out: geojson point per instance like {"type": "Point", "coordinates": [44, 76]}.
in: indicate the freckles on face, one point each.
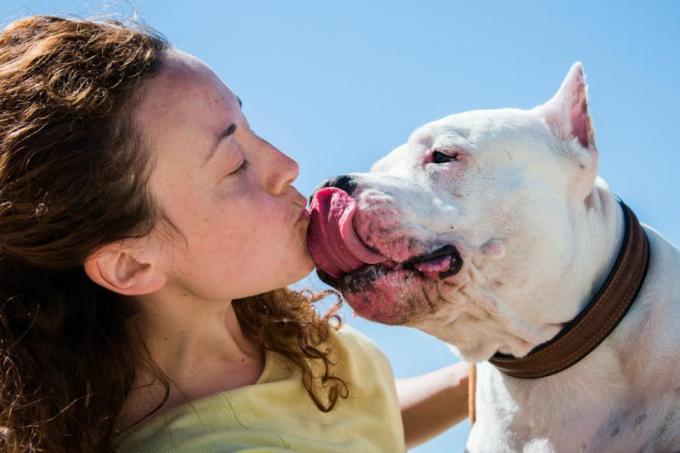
{"type": "Point", "coordinates": [228, 191]}
{"type": "Point", "coordinates": [264, 234]}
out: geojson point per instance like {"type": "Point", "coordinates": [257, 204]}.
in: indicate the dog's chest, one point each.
{"type": "Point", "coordinates": [570, 414]}
{"type": "Point", "coordinates": [624, 396]}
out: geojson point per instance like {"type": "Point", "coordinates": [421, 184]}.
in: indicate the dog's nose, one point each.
{"type": "Point", "coordinates": [343, 182]}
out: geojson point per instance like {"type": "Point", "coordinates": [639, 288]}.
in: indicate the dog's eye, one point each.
{"type": "Point", "coordinates": [439, 157]}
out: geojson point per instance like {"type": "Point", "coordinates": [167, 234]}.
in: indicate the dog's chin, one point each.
{"type": "Point", "coordinates": [397, 293]}
{"type": "Point", "coordinates": [384, 295]}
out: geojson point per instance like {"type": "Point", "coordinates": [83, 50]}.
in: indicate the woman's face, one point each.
{"type": "Point", "coordinates": [227, 190]}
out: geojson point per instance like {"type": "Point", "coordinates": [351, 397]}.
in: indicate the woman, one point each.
{"type": "Point", "coordinates": [147, 237]}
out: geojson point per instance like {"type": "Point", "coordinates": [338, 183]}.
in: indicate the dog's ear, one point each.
{"type": "Point", "coordinates": [567, 116]}
{"type": "Point", "coordinates": [567, 112]}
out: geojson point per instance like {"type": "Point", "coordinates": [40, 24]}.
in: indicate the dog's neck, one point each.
{"type": "Point", "coordinates": [598, 235]}
{"type": "Point", "coordinates": [593, 325]}
{"type": "Point", "coordinates": [494, 321]}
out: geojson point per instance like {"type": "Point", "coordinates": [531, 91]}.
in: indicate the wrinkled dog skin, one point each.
{"type": "Point", "coordinates": [514, 195]}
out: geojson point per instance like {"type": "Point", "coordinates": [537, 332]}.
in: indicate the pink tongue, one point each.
{"type": "Point", "coordinates": [331, 239]}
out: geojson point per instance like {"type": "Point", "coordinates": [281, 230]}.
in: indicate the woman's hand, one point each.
{"type": "Point", "coordinates": [433, 402]}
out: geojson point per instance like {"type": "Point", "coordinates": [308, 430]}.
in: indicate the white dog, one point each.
{"type": "Point", "coordinates": [491, 231]}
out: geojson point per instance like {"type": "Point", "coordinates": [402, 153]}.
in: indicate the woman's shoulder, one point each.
{"type": "Point", "coordinates": [214, 441]}
{"type": "Point", "coordinates": [277, 415]}
{"type": "Point", "coordinates": [359, 360]}
{"type": "Point", "coordinates": [359, 345]}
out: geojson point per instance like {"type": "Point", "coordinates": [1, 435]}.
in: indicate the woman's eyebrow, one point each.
{"type": "Point", "coordinates": [221, 136]}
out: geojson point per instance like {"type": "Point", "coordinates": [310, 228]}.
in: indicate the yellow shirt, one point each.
{"type": "Point", "coordinates": [277, 415]}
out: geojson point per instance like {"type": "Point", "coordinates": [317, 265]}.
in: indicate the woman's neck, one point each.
{"type": "Point", "coordinates": [197, 344]}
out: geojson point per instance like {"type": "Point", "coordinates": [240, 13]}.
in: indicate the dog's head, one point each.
{"type": "Point", "coordinates": [456, 231]}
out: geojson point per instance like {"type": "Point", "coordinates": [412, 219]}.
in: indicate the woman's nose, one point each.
{"type": "Point", "coordinates": [283, 171]}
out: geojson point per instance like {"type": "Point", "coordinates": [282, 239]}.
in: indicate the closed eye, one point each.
{"type": "Point", "coordinates": [241, 168]}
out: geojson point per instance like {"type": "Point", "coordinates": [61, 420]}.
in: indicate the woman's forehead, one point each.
{"type": "Point", "coordinates": [185, 93]}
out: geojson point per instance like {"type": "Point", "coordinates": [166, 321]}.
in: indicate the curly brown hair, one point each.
{"type": "Point", "coordinates": [73, 177]}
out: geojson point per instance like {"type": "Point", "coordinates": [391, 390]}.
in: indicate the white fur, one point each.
{"type": "Point", "coordinates": [538, 233]}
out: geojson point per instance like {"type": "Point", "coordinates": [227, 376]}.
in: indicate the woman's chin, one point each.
{"type": "Point", "coordinates": [301, 268]}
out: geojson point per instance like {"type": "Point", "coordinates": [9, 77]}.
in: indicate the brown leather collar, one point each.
{"type": "Point", "coordinates": [585, 332]}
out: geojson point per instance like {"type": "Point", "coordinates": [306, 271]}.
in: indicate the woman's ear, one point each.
{"type": "Point", "coordinates": [125, 269]}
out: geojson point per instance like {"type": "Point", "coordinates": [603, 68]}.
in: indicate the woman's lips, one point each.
{"type": "Point", "coordinates": [304, 215]}
{"type": "Point", "coordinates": [332, 241]}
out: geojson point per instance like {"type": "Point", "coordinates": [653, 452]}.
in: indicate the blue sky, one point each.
{"type": "Point", "coordinates": [338, 84]}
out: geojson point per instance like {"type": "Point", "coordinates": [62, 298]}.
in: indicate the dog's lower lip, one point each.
{"type": "Point", "coordinates": [409, 265]}
{"type": "Point", "coordinates": [447, 251]}
{"type": "Point", "coordinates": [440, 252]}
{"type": "Point", "coordinates": [326, 278]}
